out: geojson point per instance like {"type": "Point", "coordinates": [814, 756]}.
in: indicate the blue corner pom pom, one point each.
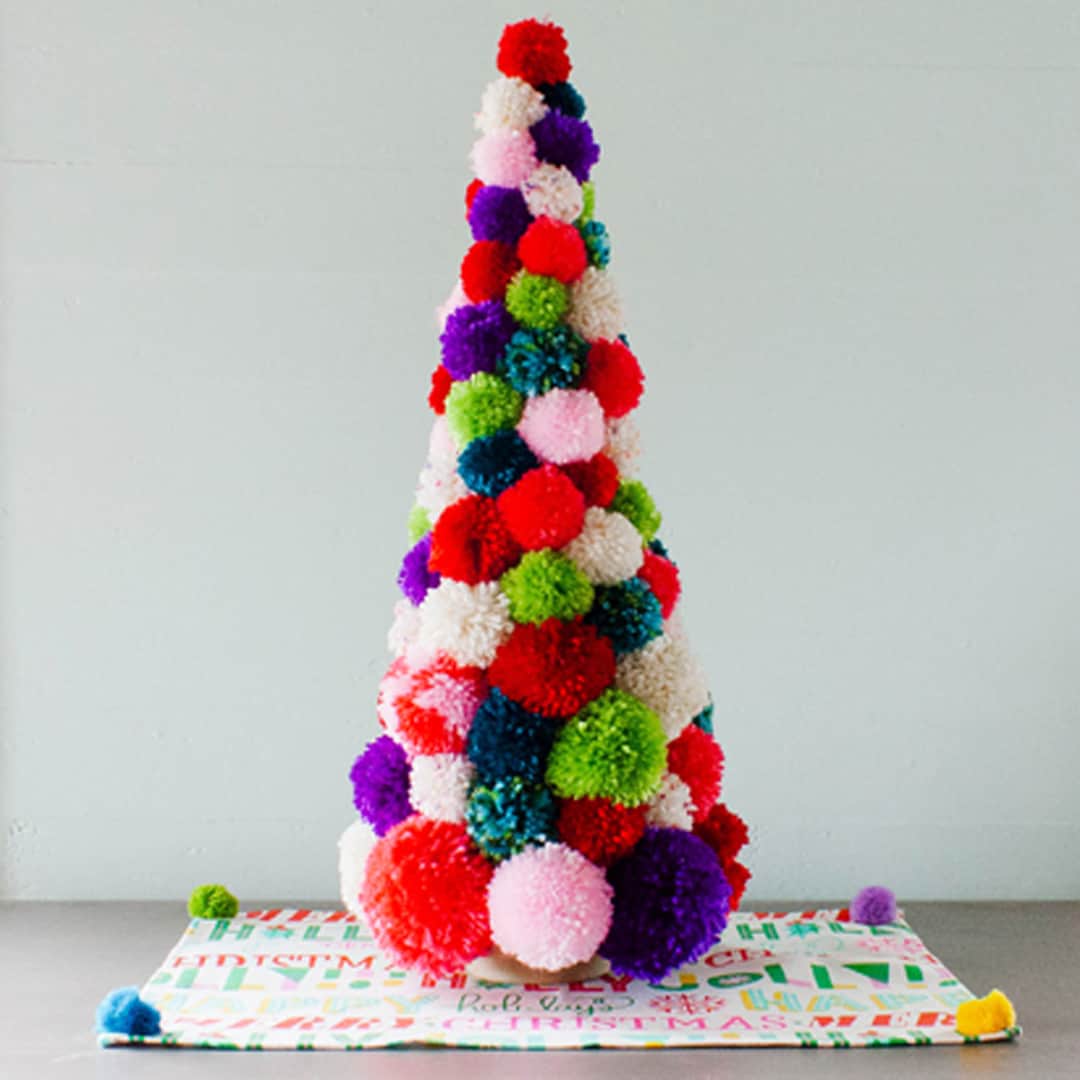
{"type": "Point", "coordinates": [123, 1012]}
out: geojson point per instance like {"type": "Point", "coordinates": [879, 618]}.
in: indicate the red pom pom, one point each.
{"type": "Point", "coordinates": [424, 729]}
{"type": "Point", "coordinates": [441, 381]}
{"type": "Point", "coordinates": [425, 896]}
{"type": "Point", "coordinates": [597, 479]}
{"type": "Point", "coordinates": [725, 832]}
{"type": "Point", "coordinates": [613, 374]}
{"type": "Point", "coordinates": [470, 194]}
{"type": "Point", "coordinates": [662, 576]}
{"type": "Point", "coordinates": [534, 51]}
{"type": "Point", "coordinates": [554, 249]}
{"type": "Point", "coordinates": [543, 509]}
{"type": "Point", "coordinates": [487, 269]}
{"type": "Point", "coordinates": [696, 758]}
{"type": "Point", "coordinates": [600, 829]}
{"type": "Point", "coordinates": [554, 668]}
{"type": "Point", "coordinates": [737, 876]}
{"type": "Point", "coordinates": [471, 543]}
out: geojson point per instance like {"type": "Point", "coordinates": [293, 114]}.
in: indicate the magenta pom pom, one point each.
{"type": "Point", "coordinates": [874, 906]}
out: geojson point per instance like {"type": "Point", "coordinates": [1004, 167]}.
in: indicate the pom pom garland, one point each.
{"type": "Point", "coordinates": [487, 269]}
{"type": "Point", "coordinates": [481, 406]}
{"type": "Point", "coordinates": [474, 338]}
{"type": "Point", "coordinates": [499, 214]}
{"type": "Point", "coordinates": [874, 906]}
{"type": "Point", "coordinates": [600, 829]}
{"type": "Point", "coordinates": [213, 902]}
{"type": "Point", "coordinates": [425, 896]}
{"type": "Point", "coordinates": [552, 191]}
{"type": "Point", "coordinates": [415, 578]}
{"type": "Point", "coordinates": [594, 309]}
{"type": "Point", "coordinates": [554, 249]}
{"type": "Point", "coordinates": [503, 157]}
{"type": "Point", "coordinates": [439, 785]}
{"type": "Point", "coordinates": [534, 51]}
{"type": "Point", "coordinates": [547, 585]}
{"type": "Point", "coordinates": [613, 374]}
{"type": "Point", "coordinates": [537, 361]}
{"type": "Point", "coordinates": [665, 676]}
{"type": "Point", "coordinates": [662, 576]}
{"type": "Point", "coordinates": [509, 103]}
{"type": "Point", "coordinates": [554, 668]}
{"type": "Point", "coordinates": [535, 301]}
{"type": "Point", "coordinates": [627, 614]}
{"type": "Point", "coordinates": [671, 904]}
{"type": "Point", "coordinates": [608, 549]}
{"type": "Point", "coordinates": [469, 622]}
{"type": "Point", "coordinates": [380, 780]}
{"type": "Point", "coordinates": [549, 907]}
{"type": "Point", "coordinates": [563, 426]}
{"type": "Point", "coordinates": [633, 501]}
{"type": "Point", "coordinates": [696, 758]}
{"type": "Point", "coordinates": [565, 140]}
{"type": "Point", "coordinates": [470, 543]}
{"type": "Point", "coordinates": [564, 97]}
{"type": "Point", "coordinates": [543, 509]}
{"type": "Point", "coordinates": [509, 815]}
{"type": "Point", "coordinates": [123, 1012]}
{"type": "Point", "coordinates": [492, 463]}
{"type": "Point", "coordinates": [506, 740]}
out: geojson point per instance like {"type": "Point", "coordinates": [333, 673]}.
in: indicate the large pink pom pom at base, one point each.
{"type": "Point", "coordinates": [549, 907]}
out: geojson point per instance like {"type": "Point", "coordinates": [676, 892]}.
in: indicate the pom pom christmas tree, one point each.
{"type": "Point", "coordinates": [547, 786]}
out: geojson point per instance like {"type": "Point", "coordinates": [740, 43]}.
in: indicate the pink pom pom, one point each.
{"type": "Point", "coordinates": [504, 157]}
{"type": "Point", "coordinates": [549, 907]}
{"type": "Point", "coordinates": [562, 426]}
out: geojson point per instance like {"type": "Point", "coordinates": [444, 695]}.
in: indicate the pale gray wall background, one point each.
{"type": "Point", "coordinates": [847, 239]}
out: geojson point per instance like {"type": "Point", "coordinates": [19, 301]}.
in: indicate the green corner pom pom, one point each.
{"type": "Point", "coordinates": [481, 406]}
{"type": "Point", "coordinates": [213, 902]}
{"type": "Point", "coordinates": [615, 748]}
{"type": "Point", "coordinates": [536, 301]}
{"type": "Point", "coordinates": [419, 523]}
{"type": "Point", "coordinates": [633, 501]}
{"type": "Point", "coordinates": [588, 202]}
{"type": "Point", "coordinates": [546, 585]}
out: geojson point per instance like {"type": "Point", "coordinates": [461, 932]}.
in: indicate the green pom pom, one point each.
{"type": "Point", "coordinates": [419, 523]}
{"type": "Point", "coordinates": [536, 301]}
{"type": "Point", "coordinates": [615, 748]}
{"type": "Point", "coordinates": [546, 585]}
{"type": "Point", "coordinates": [213, 902]}
{"type": "Point", "coordinates": [481, 406]}
{"type": "Point", "coordinates": [588, 202]}
{"type": "Point", "coordinates": [633, 501]}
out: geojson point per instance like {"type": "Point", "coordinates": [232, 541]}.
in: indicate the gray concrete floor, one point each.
{"type": "Point", "coordinates": [58, 960]}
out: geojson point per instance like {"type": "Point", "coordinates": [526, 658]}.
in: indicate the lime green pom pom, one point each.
{"type": "Point", "coordinates": [481, 406]}
{"type": "Point", "coordinates": [633, 501]}
{"type": "Point", "coordinates": [212, 902]}
{"type": "Point", "coordinates": [614, 748]}
{"type": "Point", "coordinates": [536, 301]}
{"type": "Point", "coordinates": [546, 585]}
{"type": "Point", "coordinates": [419, 523]}
{"type": "Point", "coordinates": [588, 202]}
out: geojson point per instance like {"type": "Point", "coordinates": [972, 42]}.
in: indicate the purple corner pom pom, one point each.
{"type": "Point", "coordinates": [499, 213]}
{"type": "Point", "coordinates": [565, 140]}
{"type": "Point", "coordinates": [671, 904]}
{"type": "Point", "coordinates": [380, 779]}
{"type": "Point", "coordinates": [474, 338]}
{"type": "Point", "coordinates": [414, 578]}
{"type": "Point", "coordinates": [874, 906]}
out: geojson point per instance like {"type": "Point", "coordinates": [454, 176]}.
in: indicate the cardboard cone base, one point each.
{"type": "Point", "coordinates": [498, 967]}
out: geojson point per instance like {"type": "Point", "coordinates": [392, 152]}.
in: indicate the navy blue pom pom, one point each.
{"type": "Point", "coordinates": [492, 463]}
{"type": "Point", "coordinates": [657, 548]}
{"type": "Point", "coordinates": [123, 1012]}
{"type": "Point", "coordinates": [628, 614]}
{"type": "Point", "coordinates": [565, 97]}
{"type": "Point", "coordinates": [506, 740]}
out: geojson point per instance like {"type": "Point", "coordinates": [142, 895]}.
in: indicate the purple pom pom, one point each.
{"type": "Point", "coordinates": [671, 904]}
{"type": "Point", "coordinates": [380, 779]}
{"type": "Point", "coordinates": [874, 906]}
{"type": "Point", "coordinates": [564, 140]}
{"type": "Point", "coordinates": [414, 578]}
{"type": "Point", "coordinates": [499, 213]}
{"type": "Point", "coordinates": [474, 338]}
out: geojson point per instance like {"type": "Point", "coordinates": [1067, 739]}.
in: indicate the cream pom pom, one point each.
{"type": "Point", "coordinates": [623, 445]}
{"type": "Point", "coordinates": [509, 103]}
{"type": "Point", "coordinates": [672, 807]}
{"type": "Point", "coordinates": [353, 849]}
{"type": "Point", "coordinates": [439, 785]}
{"type": "Point", "coordinates": [439, 486]}
{"type": "Point", "coordinates": [456, 299]}
{"type": "Point", "coordinates": [608, 548]}
{"type": "Point", "coordinates": [595, 312]}
{"type": "Point", "coordinates": [468, 622]}
{"type": "Point", "coordinates": [667, 678]}
{"type": "Point", "coordinates": [553, 191]}
{"type": "Point", "coordinates": [404, 631]}
{"type": "Point", "coordinates": [442, 450]}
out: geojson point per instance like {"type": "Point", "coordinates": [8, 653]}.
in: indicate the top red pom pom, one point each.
{"type": "Point", "coordinates": [470, 543]}
{"type": "Point", "coordinates": [487, 269]}
{"type": "Point", "coordinates": [613, 374]}
{"type": "Point", "coordinates": [543, 509]}
{"type": "Point", "coordinates": [554, 249]}
{"type": "Point", "coordinates": [534, 51]}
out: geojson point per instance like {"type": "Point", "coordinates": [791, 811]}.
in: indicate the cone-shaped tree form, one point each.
{"type": "Point", "coordinates": [546, 783]}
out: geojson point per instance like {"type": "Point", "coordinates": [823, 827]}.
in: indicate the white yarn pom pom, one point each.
{"type": "Point", "coordinates": [595, 312]}
{"type": "Point", "coordinates": [553, 191]}
{"type": "Point", "coordinates": [404, 629]}
{"type": "Point", "coordinates": [623, 445]}
{"type": "Point", "coordinates": [442, 450]}
{"type": "Point", "coordinates": [672, 807]}
{"type": "Point", "coordinates": [666, 677]}
{"type": "Point", "coordinates": [439, 785]}
{"type": "Point", "coordinates": [468, 622]}
{"type": "Point", "coordinates": [608, 548]}
{"type": "Point", "coordinates": [509, 103]}
{"type": "Point", "coordinates": [354, 847]}
{"type": "Point", "coordinates": [439, 487]}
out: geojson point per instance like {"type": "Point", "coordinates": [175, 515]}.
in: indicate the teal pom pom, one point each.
{"type": "Point", "coordinates": [492, 463]}
{"type": "Point", "coordinates": [657, 547]}
{"type": "Point", "coordinates": [537, 361]}
{"type": "Point", "coordinates": [597, 243]}
{"type": "Point", "coordinates": [506, 817]}
{"type": "Point", "coordinates": [123, 1012]}
{"type": "Point", "coordinates": [704, 719]}
{"type": "Point", "coordinates": [212, 902]}
{"type": "Point", "coordinates": [628, 614]}
{"type": "Point", "coordinates": [565, 97]}
{"type": "Point", "coordinates": [506, 740]}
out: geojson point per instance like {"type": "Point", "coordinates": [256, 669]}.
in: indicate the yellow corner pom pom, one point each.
{"type": "Point", "coordinates": [985, 1015]}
